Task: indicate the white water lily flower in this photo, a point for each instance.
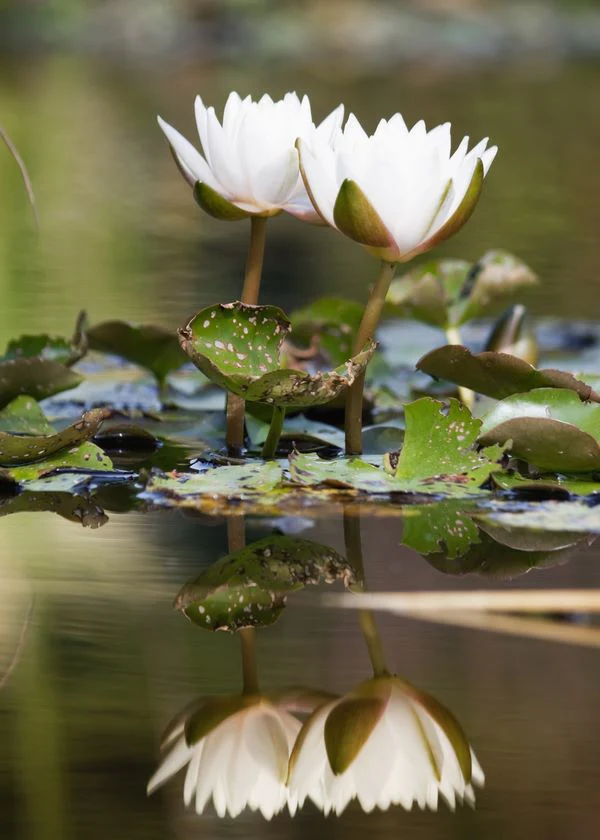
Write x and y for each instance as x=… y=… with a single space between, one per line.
x=250 y=162
x=398 y=192
x=384 y=744
x=236 y=750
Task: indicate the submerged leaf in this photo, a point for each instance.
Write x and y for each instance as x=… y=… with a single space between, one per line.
x=149 y=346
x=442 y=526
x=549 y=427
x=248 y=587
x=497 y=375
x=239 y=347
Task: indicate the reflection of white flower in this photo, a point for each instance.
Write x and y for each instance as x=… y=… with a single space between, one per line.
x=250 y=159
x=398 y=192
x=236 y=751
x=384 y=744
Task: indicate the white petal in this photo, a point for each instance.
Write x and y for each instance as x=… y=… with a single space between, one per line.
x=172 y=763
x=190 y=158
x=320 y=179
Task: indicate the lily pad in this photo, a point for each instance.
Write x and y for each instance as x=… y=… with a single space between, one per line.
x=18 y=449
x=24 y=416
x=497 y=375
x=85 y=458
x=248 y=588
x=239 y=347
x=566 y=518
x=38 y=378
x=147 y=345
x=439 y=454
x=74 y=508
x=549 y=427
x=448 y=293
x=234 y=482
x=546 y=486
x=61 y=350
x=310 y=470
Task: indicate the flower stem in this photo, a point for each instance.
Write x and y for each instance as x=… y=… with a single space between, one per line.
x=270 y=445
x=467 y=397
x=249 y=665
x=366 y=330
x=250 y=292
x=353 y=548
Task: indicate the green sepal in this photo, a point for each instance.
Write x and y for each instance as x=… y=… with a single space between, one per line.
x=355 y=216
x=216 y=206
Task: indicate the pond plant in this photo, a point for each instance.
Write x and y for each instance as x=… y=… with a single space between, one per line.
x=480 y=423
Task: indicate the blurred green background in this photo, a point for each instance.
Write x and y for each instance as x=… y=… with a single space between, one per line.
x=81 y=82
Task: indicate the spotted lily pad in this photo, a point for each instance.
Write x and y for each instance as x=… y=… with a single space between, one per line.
x=497 y=375
x=439 y=454
x=62 y=350
x=239 y=347
x=17 y=449
x=38 y=378
x=235 y=482
x=85 y=458
x=148 y=346
x=448 y=293
x=440 y=527
x=248 y=588
x=549 y=427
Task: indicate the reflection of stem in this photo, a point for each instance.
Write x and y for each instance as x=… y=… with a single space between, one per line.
x=19 y=648
x=270 y=445
x=467 y=397
x=24 y=173
x=249 y=666
x=366 y=330
x=353 y=547
x=250 y=292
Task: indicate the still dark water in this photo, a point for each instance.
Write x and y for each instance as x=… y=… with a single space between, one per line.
x=104 y=661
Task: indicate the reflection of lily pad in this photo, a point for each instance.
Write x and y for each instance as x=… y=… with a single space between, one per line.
x=565 y=518
x=439 y=454
x=548 y=427
x=78 y=509
x=497 y=375
x=62 y=350
x=39 y=378
x=24 y=449
x=239 y=348
x=233 y=482
x=448 y=293
x=442 y=526
x=248 y=588
x=149 y=346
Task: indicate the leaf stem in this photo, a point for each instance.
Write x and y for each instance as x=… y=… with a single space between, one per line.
x=250 y=294
x=467 y=397
x=366 y=330
x=354 y=555
x=270 y=445
x=249 y=663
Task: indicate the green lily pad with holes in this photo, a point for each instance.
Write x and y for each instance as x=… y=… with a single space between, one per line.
x=310 y=470
x=248 y=588
x=147 y=345
x=61 y=350
x=234 y=482
x=448 y=293
x=548 y=427
x=240 y=347
x=497 y=375
x=85 y=458
x=38 y=378
x=439 y=454
x=18 y=449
